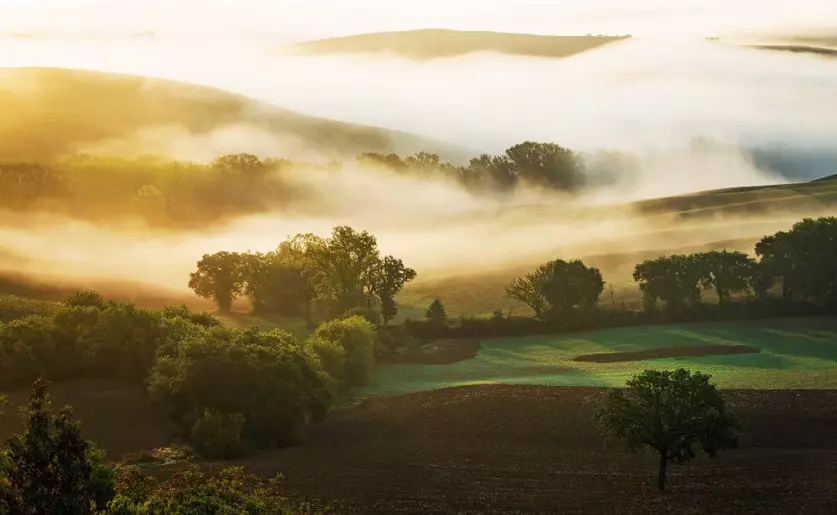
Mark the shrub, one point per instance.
(86, 299)
(218, 436)
(267, 377)
(358, 340)
(371, 316)
(332, 357)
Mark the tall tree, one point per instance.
(529, 290)
(673, 279)
(671, 412)
(726, 272)
(348, 260)
(572, 284)
(390, 277)
(219, 277)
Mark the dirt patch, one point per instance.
(117, 415)
(442, 352)
(691, 351)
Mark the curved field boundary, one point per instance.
(692, 351)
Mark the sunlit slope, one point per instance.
(438, 43)
(49, 112)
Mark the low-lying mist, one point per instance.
(647, 98)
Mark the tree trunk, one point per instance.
(661, 480)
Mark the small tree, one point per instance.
(436, 312)
(52, 468)
(672, 413)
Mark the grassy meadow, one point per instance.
(796, 353)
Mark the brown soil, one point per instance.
(528, 449)
(441, 352)
(691, 351)
(513, 449)
(114, 414)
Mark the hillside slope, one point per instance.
(50, 112)
(438, 43)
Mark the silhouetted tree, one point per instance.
(529, 290)
(726, 272)
(671, 412)
(571, 284)
(51, 467)
(219, 277)
(674, 279)
(547, 164)
(436, 312)
(390, 277)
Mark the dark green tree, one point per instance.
(673, 413)
(571, 284)
(219, 277)
(726, 272)
(52, 468)
(673, 279)
(436, 312)
(390, 277)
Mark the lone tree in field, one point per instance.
(671, 412)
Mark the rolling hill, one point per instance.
(439, 43)
(50, 112)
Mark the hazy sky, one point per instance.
(286, 20)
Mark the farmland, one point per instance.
(794, 354)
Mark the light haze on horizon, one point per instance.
(293, 20)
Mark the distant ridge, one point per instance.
(428, 44)
(799, 49)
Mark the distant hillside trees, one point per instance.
(305, 274)
(673, 413)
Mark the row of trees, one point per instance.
(801, 262)
(306, 276)
(228, 391)
(175, 193)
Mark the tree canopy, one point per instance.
(673, 413)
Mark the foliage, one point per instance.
(218, 436)
(357, 340)
(673, 279)
(390, 277)
(803, 259)
(194, 492)
(435, 313)
(726, 272)
(672, 413)
(265, 376)
(557, 286)
(13, 307)
(51, 467)
(219, 277)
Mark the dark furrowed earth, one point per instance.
(509, 449)
(530, 449)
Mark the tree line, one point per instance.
(307, 276)
(228, 391)
(792, 273)
(170, 193)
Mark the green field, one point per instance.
(796, 353)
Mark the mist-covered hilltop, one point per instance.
(439, 43)
(50, 112)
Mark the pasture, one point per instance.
(794, 354)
